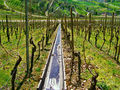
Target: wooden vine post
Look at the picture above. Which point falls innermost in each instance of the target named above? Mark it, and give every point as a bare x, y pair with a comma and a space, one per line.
33, 24
3, 26
65, 25
43, 42
27, 35
72, 44
16, 31
104, 31
0, 33
96, 38
77, 25
8, 35
118, 54
0, 38
86, 31
89, 29
48, 25
11, 30
112, 35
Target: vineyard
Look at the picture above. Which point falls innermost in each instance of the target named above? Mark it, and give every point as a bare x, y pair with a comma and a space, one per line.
65, 50
12, 53
92, 50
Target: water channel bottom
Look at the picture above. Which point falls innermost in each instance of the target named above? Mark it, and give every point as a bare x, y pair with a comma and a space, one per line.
54, 79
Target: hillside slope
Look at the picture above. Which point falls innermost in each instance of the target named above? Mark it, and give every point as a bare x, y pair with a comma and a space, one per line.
62, 7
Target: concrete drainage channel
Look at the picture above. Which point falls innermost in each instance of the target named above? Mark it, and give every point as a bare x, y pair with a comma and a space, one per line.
53, 77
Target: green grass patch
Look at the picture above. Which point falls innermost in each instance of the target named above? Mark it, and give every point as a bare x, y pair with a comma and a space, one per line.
107, 68
4, 77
